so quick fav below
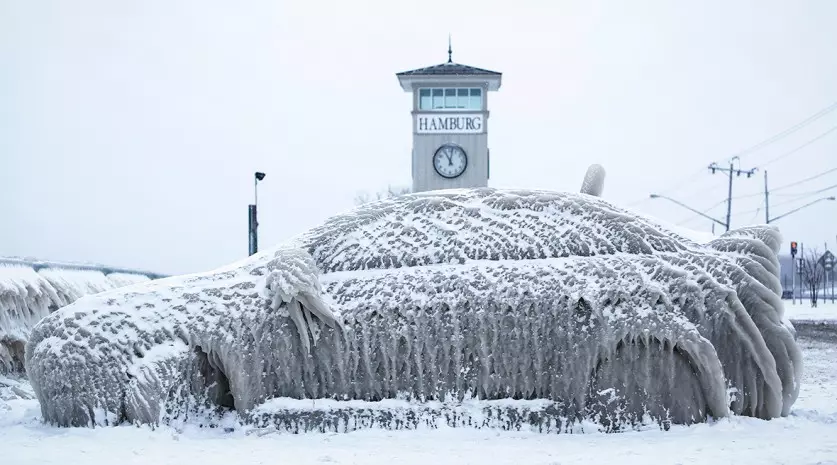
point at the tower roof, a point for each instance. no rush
(449, 69)
(447, 72)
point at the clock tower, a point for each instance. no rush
(450, 124)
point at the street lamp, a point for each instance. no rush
(259, 177)
(657, 196)
(800, 208)
(253, 223)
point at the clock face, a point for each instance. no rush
(450, 161)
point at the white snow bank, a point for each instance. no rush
(803, 310)
(27, 295)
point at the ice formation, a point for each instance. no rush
(593, 181)
(537, 307)
(27, 295)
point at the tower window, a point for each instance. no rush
(448, 99)
(438, 99)
(425, 100)
(476, 99)
(462, 98)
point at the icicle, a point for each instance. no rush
(295, 312)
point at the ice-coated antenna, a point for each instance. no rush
(450, 51)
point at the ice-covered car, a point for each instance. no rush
(482, 307)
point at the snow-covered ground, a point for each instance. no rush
(825, 311)
(807, 436)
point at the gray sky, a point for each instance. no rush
(129, 131)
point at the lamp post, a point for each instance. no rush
(725, 225)
(253, 223)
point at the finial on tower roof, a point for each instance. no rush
(450, 51)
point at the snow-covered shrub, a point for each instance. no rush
(27, 295)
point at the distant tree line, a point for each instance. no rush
(365, 197)
(813, 274)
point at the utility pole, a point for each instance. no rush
(766, 200)
(793, 273)
(793, 280)
(799, 267)
(767, 217)
(828, 260)
(731, 170)
(824, 276)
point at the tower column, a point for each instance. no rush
(449, 124)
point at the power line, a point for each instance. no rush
(801, 181)
(690, 179)
(810, 194)
(744, 212)
(801, 197)
(683, 182)
(755, 211)
(759, 194)
(756, 214)
(788, 131)
(791, 152)
(714, 167)
(700, 190)
(747, 196)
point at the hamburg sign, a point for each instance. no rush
(450, 124)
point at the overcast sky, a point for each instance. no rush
(129, 130)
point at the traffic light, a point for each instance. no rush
(793, 249)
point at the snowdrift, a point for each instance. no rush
(481, 308)
(27, 295)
